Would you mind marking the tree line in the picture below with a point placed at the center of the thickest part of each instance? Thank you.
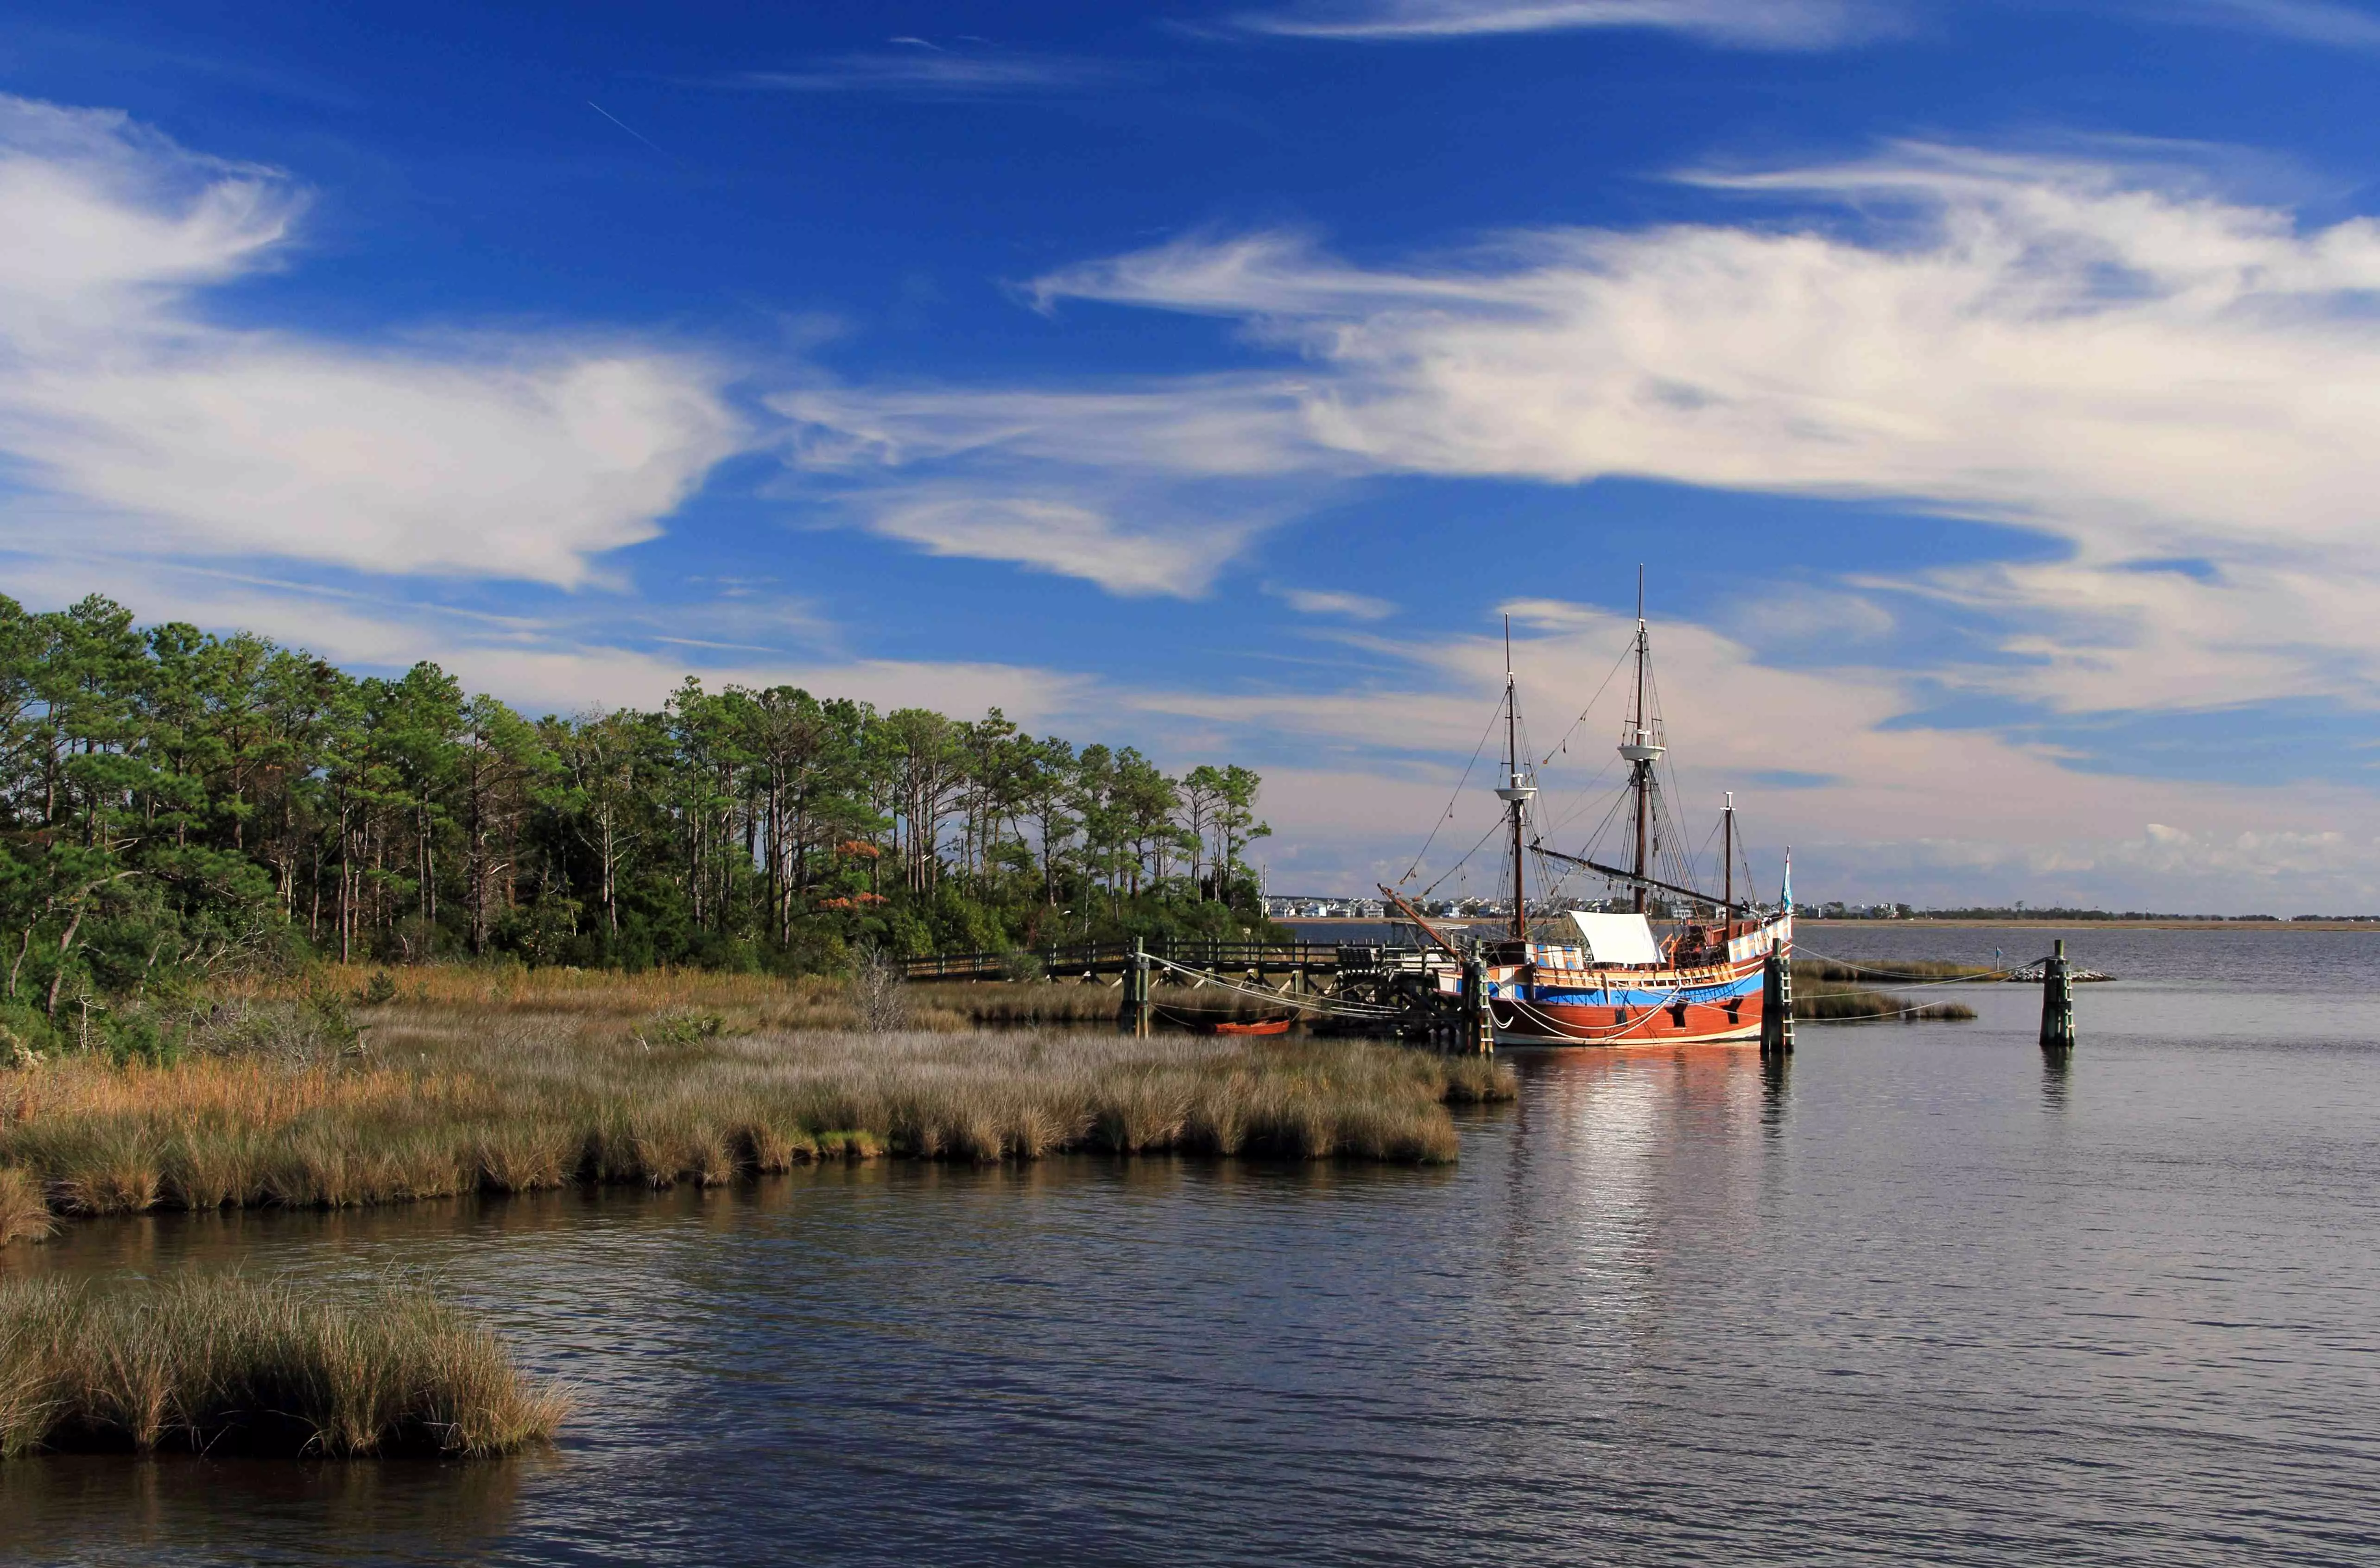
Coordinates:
(174, 803)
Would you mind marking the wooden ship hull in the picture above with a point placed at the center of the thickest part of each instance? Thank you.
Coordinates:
(1595, 976)
(1555, 999)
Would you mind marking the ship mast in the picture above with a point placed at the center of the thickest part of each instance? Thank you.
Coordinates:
(1642, 745)
(1516, 791)
(1727, 852)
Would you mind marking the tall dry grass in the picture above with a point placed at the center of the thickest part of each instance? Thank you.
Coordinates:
(450, 1100)
(1901, 969)
(24, 1213)
(1825, 1001)
(763, 1002)
(222, 1364)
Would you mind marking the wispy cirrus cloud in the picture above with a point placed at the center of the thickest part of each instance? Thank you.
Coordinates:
(1064, 533)
(129, 418)
(1140, 490)
(1760, 24)
(1335, 602)
(2110, 354)
(2314, 21)
(557, 658)
(917, 67)
(1873, 807)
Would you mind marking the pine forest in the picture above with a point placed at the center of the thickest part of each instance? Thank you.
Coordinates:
(179, 806)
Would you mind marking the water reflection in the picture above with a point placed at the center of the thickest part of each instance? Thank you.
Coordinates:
(2055, 1066)
(1625, 1162)
(110, 1507)
(1675, 1306)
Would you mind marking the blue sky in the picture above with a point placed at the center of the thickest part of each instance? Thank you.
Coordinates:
(1990, 391)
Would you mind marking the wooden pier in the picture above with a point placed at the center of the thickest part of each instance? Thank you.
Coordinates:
(1378, 989)
(1091, 960)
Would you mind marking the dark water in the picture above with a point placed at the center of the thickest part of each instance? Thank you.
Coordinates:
(1919, 1300)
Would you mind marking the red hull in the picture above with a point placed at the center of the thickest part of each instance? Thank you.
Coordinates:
(1557, 1000)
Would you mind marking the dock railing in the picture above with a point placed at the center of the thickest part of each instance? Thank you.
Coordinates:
(1077, 960)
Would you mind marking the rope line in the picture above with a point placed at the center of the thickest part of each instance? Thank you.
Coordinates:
(1987, 977)
(1552, 1025)
(1460, 783)
(1590, 703)
(1311, 1005)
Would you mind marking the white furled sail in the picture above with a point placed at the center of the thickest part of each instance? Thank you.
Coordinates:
(1616, 939)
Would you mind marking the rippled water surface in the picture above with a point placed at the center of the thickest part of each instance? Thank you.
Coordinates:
(1919, 1298)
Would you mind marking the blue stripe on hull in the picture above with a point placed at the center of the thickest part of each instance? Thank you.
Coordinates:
(1567, 996)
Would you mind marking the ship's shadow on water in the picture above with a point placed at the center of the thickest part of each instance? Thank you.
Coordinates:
(1919, 1294)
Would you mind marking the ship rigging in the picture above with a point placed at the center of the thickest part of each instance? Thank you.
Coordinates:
(1577, 976)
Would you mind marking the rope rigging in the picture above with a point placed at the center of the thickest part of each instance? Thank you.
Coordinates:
(1334, 1007)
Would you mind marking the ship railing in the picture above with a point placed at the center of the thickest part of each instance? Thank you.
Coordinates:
(1075, 960)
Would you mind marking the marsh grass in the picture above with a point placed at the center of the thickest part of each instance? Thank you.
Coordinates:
(1824, 1002)
(743, 1002)
(24, 1212)
(220, 1364)
(460, 1098)
(1901, 969)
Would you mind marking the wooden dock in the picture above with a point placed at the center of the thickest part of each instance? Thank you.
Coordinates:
(1091, 960)
(1341, 987)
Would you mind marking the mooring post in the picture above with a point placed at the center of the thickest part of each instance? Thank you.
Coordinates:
(1776, 1005)
(1142, 1009)
(2057, 1000)
(1478, 1036)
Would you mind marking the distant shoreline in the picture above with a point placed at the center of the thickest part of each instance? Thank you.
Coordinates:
(2211, 923)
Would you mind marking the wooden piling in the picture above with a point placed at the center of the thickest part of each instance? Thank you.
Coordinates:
(1776, 1006)
(1477, 1034)
(2057, 1000)
(1138, 1002)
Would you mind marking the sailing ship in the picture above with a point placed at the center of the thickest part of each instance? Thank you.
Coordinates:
(1604, 976)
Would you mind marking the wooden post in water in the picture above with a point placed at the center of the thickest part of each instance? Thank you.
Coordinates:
(1144, 1019)
(1477, 1036)
(2057, 1000)
(1776, 1006)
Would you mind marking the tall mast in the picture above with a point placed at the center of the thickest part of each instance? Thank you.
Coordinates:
(1516, 792)
(1641, 747)
(1727, 852)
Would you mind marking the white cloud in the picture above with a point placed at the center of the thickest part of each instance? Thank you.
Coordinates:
(562, 663)
(136, 421)
(1330, 602)
(2145, 369)
(1143, 491)
(926, 70)
(1767, 24)
(1903, 813)
(1239, 427)
(1060, 536)
(2316, 21)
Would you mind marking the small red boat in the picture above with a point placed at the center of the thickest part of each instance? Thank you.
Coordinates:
(1261, 1026)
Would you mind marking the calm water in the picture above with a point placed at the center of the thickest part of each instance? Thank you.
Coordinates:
(1919, 1300)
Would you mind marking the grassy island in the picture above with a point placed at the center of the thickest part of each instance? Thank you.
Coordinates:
(1829, 991)
(582, 1080)
(220, 1364)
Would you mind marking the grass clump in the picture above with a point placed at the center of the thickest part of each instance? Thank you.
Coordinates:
(1904, 970)
(222, 1364)
(1824, 1002)
(24, 1212)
